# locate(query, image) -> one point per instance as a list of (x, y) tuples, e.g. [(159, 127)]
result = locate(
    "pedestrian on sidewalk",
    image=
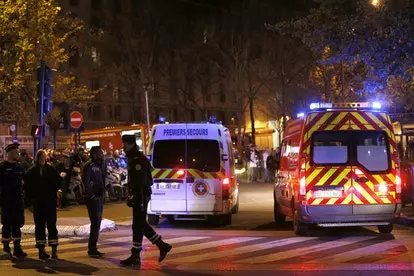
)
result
[(42, 185), (94, 175), (266, 172), (12, 201), (139, 190)]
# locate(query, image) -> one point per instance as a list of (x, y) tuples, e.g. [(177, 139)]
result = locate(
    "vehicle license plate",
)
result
[(168, 186), (327, 194)]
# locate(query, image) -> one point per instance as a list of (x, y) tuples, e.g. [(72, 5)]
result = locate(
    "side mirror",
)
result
[(224, 157)]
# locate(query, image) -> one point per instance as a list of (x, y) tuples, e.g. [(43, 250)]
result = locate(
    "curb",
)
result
[(74, 230)]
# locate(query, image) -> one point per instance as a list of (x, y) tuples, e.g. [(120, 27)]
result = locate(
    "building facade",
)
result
[(121, 105)]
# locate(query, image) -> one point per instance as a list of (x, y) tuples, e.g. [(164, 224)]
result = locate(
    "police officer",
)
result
[(12, 201), (42, 183), (139, 188)]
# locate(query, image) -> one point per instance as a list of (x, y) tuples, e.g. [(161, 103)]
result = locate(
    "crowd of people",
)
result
[(262, 164), (36, 183), (64, 162)]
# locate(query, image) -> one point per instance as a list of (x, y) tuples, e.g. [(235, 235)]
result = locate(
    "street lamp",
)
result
[(376, 3)]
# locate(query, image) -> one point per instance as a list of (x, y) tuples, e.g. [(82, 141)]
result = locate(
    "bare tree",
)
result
[(288, 63)]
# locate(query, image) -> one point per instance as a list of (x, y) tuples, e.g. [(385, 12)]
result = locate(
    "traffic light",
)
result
[(62, 112), (35, 131), (44, 89)]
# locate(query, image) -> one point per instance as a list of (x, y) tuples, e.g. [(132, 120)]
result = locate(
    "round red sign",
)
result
[(200, 189), (76, 119)]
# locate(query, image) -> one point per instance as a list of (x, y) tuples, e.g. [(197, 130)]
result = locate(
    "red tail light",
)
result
[(398, 188), (302, 182), (225, 186), (398, 183)]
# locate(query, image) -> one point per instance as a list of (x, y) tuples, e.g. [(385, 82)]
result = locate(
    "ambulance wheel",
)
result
[(171, 219), (299, 227), (279, 217), (386, 229), (225, 219), (235, 209), (220, 220), (153, 219)]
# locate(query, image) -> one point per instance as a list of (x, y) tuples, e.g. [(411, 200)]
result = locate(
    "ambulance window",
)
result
[(372, 150), (329, 147), (169, 154), (203, 155)]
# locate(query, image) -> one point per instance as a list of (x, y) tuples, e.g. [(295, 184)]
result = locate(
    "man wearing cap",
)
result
[(12, 201), (139, 189)]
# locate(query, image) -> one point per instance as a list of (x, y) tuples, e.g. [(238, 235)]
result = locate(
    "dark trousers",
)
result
[(140, 226), (12, 220), (95, 210), (45, 216)]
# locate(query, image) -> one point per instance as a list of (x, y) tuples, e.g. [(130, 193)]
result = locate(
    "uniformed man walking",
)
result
[(12, 201), (139, 187)]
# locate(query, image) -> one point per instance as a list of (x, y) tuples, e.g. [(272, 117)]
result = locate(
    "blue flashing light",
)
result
[(300, 115), (376, 105), (213, 119), (162, 119), (314, 106)]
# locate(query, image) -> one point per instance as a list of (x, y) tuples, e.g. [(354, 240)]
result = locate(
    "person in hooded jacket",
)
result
[(42, 184), (93, 178)]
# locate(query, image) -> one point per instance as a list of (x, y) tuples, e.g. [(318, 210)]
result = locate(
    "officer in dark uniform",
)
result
[(139, 188), (12, 200), (42, 184)]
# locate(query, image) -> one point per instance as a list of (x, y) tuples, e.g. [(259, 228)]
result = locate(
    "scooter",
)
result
[(76, 188), (113, 184), (124, 183)]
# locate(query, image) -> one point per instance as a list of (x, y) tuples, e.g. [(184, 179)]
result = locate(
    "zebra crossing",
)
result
[(243, 250)]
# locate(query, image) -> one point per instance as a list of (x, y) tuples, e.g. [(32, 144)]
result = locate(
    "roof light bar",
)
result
[(300, 115), (370, 105), (376, 105)]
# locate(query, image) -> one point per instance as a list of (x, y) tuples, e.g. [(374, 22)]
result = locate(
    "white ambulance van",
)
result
[(194, 173)]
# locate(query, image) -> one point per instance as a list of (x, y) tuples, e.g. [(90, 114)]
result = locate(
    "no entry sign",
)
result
[(76, 119)]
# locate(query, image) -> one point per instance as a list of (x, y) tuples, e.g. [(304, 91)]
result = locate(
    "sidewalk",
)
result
[(74, 221)]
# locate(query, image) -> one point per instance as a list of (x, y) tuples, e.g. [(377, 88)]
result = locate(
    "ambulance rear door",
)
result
[(329, 176), (374, 183), (168, 159), (204, 149)]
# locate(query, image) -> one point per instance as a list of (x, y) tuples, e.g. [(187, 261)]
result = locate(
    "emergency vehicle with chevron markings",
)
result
[(194, 173), (339, 167)]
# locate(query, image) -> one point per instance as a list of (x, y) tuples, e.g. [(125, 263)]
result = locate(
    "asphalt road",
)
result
[(251, 245)]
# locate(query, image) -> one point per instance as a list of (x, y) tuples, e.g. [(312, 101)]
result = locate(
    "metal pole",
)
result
[(41, 100), (147, 110)]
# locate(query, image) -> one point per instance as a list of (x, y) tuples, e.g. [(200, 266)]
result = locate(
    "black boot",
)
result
[(54, 253), (94, 253), (18, 251), (42, 253), (164, 249), (134, 259), (6, 250)]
